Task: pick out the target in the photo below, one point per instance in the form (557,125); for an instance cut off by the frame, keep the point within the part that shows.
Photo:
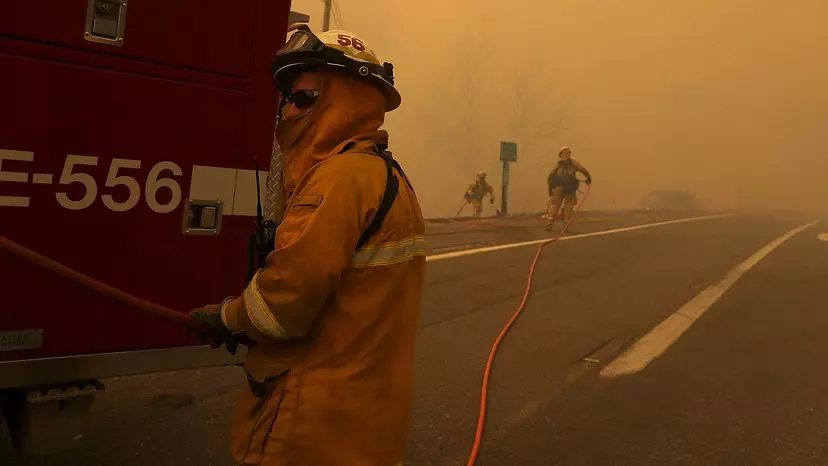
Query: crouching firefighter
(477,191)
(330,319)
(563,186)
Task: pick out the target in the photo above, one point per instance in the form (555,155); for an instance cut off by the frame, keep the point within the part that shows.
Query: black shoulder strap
(392,186)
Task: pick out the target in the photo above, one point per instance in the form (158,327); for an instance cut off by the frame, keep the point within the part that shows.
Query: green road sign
(508,151)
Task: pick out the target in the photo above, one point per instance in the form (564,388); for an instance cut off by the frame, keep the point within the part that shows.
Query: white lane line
(655,343)
(822,237)
(500,247)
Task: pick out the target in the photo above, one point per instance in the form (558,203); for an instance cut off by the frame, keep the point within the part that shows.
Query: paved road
(745,385)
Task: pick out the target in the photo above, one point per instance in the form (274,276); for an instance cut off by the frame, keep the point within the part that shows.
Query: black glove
(214,331)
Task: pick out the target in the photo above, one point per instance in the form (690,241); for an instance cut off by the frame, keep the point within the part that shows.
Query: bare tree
(528,112)
(537,116)
(459,121)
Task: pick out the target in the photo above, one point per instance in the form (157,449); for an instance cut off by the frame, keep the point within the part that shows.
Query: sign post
(508,153)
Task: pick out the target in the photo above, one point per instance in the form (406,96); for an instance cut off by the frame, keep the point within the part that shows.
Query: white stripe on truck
(235,187)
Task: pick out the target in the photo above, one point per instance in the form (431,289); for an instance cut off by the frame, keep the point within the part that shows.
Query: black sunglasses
(302,99)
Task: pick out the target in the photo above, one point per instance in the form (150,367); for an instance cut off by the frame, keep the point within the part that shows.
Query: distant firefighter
(563,186)
(479,189)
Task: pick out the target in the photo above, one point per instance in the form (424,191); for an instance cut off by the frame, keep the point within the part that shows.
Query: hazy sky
(726,98)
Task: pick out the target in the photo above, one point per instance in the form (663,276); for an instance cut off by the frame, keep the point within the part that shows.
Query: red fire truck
(127,144)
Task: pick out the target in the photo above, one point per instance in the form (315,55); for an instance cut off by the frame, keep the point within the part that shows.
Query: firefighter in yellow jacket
(563,186)
(477,191)
(331,319)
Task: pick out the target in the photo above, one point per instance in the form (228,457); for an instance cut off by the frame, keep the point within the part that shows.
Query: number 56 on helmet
(335,49)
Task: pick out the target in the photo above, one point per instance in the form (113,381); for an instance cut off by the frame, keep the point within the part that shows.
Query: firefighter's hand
(588,181)
(215,332)
(492,200)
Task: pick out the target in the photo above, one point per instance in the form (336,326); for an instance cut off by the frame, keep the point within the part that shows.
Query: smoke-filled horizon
(724,99)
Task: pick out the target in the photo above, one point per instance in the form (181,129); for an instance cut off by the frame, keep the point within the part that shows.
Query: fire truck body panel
(101,147)
(212,37)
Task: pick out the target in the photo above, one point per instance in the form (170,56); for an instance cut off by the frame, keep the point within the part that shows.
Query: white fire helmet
(336,49)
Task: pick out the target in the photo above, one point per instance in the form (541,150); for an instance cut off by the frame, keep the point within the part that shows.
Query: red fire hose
(484,389)
(86,281)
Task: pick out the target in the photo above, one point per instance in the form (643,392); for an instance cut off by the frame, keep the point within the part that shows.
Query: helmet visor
(302,40)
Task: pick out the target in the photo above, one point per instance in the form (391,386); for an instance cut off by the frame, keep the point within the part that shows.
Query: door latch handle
(202,217)
(105,21)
